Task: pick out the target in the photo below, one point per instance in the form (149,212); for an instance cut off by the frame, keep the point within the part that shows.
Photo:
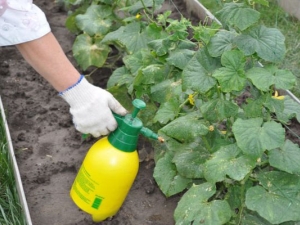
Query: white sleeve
(21,21)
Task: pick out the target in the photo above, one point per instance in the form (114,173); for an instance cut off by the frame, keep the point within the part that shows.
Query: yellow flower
(191,99)
(137,16)
(275,96)
(211,128)
(223,131)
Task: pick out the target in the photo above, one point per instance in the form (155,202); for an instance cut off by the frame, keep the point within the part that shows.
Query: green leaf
(268,43)
(108,2)
(131,37)
(203,33)
(273,104)
(167,111)
(147,115)
(185,128)
(89,52)
(178,29)
(138,60)
(254,137)
(291,108)
(252,218)
(166,90)
(71,19)
(215,140)
(286,158)
(190,158)
(239,15)
(254,108)
(187,44)
(228,160)
(119,77)
(194,208)
(284,79)
(120,94)
(233,196)
(262,2)
(95,21)
(261,78)
(197,73)
(138,5)
(221,42)
(218,109)
(180,58)
(167,178)
(277,200)
(161,46)
(232,76)
(74,2)
(151,74)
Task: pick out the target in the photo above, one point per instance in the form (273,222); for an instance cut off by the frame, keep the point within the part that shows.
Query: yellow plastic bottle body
(104,180)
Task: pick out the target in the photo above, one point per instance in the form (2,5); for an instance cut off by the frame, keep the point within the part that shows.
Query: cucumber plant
(209,96)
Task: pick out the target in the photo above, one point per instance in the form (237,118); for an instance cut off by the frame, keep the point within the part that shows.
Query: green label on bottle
(97,202)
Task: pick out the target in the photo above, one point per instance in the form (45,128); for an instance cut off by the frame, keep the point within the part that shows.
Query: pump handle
(138,105)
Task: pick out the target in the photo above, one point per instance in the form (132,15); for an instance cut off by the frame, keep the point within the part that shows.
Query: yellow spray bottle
(110,167)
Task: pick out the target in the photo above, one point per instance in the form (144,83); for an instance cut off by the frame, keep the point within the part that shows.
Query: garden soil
(49,150)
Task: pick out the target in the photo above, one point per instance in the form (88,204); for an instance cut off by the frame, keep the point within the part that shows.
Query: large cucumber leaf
(238,15)
(221,42)
(268,43)
(254,137)
(195,208)
(228,161)
(95,20)
(186,128)
(277,200)
(218,109)
(167,177)
(286,158)
(89,51)
(232,76)
(197,74)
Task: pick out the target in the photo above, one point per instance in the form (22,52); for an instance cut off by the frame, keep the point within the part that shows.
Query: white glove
(91,108)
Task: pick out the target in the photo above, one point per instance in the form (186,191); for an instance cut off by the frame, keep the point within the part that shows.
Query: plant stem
(242,197)
(146,10)
(90,74)
(207,145)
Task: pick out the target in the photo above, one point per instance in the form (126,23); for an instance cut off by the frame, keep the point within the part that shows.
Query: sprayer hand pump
(110,167)
(132,125)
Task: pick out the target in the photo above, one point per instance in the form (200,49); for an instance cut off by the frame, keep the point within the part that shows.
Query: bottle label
(97,202)
(85,181)
(84,186)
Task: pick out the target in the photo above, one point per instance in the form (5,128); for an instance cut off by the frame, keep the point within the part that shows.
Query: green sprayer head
(125,137)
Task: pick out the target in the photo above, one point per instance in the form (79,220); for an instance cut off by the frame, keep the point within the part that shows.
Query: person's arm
(46,56)
(90,106)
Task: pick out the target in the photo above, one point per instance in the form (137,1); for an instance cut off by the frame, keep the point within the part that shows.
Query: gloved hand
(91,108)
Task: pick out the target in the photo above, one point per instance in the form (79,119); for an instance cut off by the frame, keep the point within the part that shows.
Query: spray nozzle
(150,134)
